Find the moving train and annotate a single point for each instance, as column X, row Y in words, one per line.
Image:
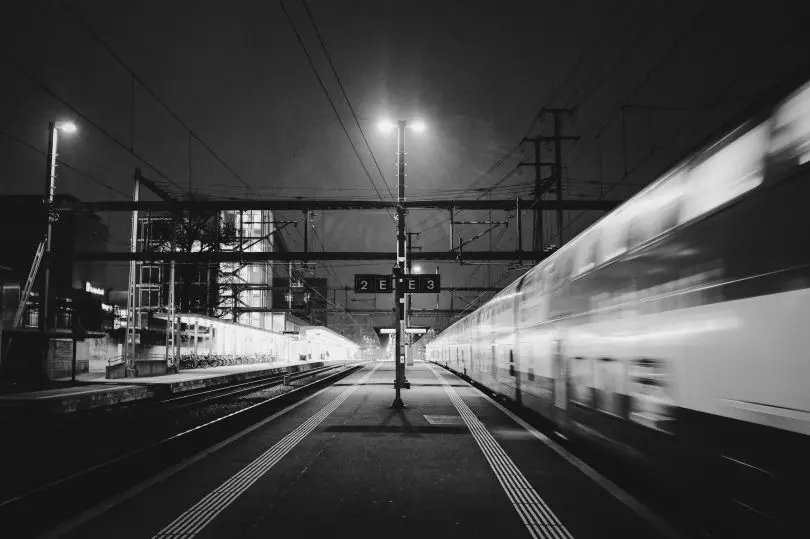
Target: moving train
column 675, row 331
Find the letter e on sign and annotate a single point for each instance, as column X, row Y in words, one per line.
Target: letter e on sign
column 364, row 284
column 430, row 283
column 382, row 283
column 411, row 284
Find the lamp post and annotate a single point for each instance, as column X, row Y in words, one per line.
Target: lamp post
column 399, row 292
column 50, row 186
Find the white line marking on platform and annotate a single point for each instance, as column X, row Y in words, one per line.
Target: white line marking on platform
column 99, row 509
column 657, row 522
column 538, row 517
column 194, row 519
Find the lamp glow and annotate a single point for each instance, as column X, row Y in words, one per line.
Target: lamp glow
column 385, row 126
column 67, row 127
column 418, row 126
column 417, row 269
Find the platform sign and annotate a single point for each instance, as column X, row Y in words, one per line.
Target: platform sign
column 411, row 284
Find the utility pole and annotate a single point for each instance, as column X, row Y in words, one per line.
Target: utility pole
column 558, row 167
column 537, row 233
column 408, row 337
column 50, row 178
column 541, row 186
column 399, row 296
column 132, row 295
column 45, row 308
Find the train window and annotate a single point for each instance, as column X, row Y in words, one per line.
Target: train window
column 533, row 282
column 726, row 174
column 790, row 135
column 613, row 238
column 658, row 209
column 585, row 257
column 565, row 265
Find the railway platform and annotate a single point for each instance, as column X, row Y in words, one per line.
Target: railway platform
column 454, row 463
column 94, row 391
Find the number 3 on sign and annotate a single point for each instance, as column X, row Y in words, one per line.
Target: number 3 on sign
column 429, row 283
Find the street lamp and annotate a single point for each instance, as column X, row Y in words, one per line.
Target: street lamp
column 399, row 298
column 417, row 269
column 50, row 185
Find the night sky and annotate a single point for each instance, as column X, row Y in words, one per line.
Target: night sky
column 477, row 73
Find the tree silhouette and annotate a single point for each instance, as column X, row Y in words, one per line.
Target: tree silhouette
column 199, row 231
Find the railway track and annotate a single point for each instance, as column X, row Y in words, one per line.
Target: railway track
column 25, row 513
column 231, row 390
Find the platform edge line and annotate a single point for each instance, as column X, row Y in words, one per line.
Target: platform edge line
column 73, row 523
column 659, row 523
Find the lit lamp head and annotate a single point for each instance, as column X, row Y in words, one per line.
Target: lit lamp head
column 67, row 127
column 386, row 126
column 417, row 269
column 418, row 126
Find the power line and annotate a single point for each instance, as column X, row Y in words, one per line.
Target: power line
column 674, row 134
column 346, row 97
column 331, row 103
column 622, row 56
column 689, row 28
column 157, row 98
column 64, row 164
column 552, row 96
column 730, row 85
column 90, row 122
column 315, row 290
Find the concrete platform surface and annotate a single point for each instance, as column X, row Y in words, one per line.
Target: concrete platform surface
column 342, row 463
column 95, row 392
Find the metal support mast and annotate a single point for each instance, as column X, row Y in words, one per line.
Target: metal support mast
column 558, row 170
column 540, row 186
column 408, row 298
column 44, row 305
column 399, row 296
column 172, row 326
column 132, row 297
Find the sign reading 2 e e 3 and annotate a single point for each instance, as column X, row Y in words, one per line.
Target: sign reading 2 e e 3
column 411, row 284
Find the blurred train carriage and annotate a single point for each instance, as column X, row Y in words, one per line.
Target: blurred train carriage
column 675, row 329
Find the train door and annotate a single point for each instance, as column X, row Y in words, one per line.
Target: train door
column 514, row 371
column 560, row 375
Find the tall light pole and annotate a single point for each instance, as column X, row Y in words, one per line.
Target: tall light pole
column 50, row 186
column 399, row 292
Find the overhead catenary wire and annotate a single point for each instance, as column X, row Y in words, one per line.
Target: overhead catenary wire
column 64, row 164
column 345, row 96
column 552, row 96
column 332, row 103
column 45, row 88
column 662, row 61
column 151, row 92
column 717, row 99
